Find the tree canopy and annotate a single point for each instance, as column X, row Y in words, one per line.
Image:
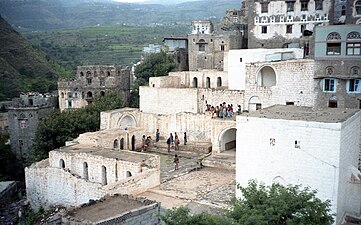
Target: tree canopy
column 58, row 127
column 154, row 65
column 263, row 205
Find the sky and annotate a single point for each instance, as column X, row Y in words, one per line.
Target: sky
column 163, row 1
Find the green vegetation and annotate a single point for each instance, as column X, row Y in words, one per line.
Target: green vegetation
column 101, row 45
column 154, row 65
column 6, row 155
column 33, row 217
column 58, row 127
column 42, row 15
column 260, row 204
column 24, row 68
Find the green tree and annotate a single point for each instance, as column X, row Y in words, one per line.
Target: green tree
column 278, row 204
column 6, row 155
column 154, row 65
column 182, row 216
column 58, row 127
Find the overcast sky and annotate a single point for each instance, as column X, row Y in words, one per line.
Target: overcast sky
column 161, row 1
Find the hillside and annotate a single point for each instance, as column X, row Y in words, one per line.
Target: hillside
column 22, row 67
column 111, row 44
column 35, row 15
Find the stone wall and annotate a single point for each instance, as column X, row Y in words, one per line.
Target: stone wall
column 294, row 84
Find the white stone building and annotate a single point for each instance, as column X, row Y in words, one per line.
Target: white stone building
column 73, row 175
column 300, row 145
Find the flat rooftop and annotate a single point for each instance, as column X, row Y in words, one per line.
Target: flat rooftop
column 122, row 155
column 108, row 208
column 329, row 115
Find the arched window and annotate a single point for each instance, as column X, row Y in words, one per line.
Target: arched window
column 353, row 45
column 358, row 7
column 62, row 164
column 355, row 71
column 116, row 144
column 195, row 82
column 108, row 73
column 219, row 82
column 102, row 93
column 201, row 45
column 266, row 77
column 208, row 82
column 128, row 174
column 343, row 10
column 70, row 95
column 62, row 94
column 85, row 170
column 89, row 94
column 122, row 144
column 88, row 73
column 104, row 175
column 133, row 143
column 333, row 44
column 81, row 74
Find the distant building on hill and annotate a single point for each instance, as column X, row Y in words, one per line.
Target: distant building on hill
column 93, row 81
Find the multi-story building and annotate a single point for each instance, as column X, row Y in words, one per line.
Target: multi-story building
column 338, row 70
column 23, row 118
column 206, row 48
column 277, row 24
column 347, row 12
column 93, row 81
column 178, row 46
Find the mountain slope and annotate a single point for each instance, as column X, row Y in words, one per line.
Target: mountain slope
column 22, row 67
column 58, row 14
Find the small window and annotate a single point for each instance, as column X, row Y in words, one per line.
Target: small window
column 81, row 74
column 62, row 94
column 108, row 73
column 70, row 104
column 62, row 164
column 290, row 103
column 70, row 95
column 264, row 7
column 219, row 82
column 240, row 59
column 102, row 82
column 329, row 85
column 343, row 10
column 333, row 49
column 222, row 48
column 264, row 30
column 290, row 6
column 202, row 47
column 318, row 4
column 353, row 48
column 303, row 28
column 23, row 124
column 272, row 142
column 354, row 86
column 304, row 5
column 289, row 29
column 358, row 7
column 297, row 144
column 89, row 81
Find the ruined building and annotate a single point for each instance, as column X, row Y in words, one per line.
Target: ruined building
column 93, row 81
column 23, row 118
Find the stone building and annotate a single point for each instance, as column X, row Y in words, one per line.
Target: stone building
column 338, row 66
column 278, row 24
column 93, row 81
column 73, row 175
column 300, row 145
column 178, row 46
column 23, row 118
column 206, row 47
column 347, row 12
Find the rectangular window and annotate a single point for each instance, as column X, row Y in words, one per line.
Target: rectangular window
column 222, row 48
column 102, row 83
column 264, row 7
column 70, row 104
column 333, row 49
column 290, row 6
column 23, row 124
column 329, row 85
column 202, row 47
column 354, row 86
column 353, row 48
column 318, row 4
column 89, row 81
column 304, row 6
column 264, row 30
column 289, row 29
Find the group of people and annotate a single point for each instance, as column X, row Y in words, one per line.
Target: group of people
column 223, row 110
column 146, row 142
column 174, row 141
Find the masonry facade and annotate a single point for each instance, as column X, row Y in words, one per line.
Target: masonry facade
column 92, row 82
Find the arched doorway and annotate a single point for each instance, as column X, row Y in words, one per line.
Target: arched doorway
column 266, row 77
column 254, row 103
column 85, row 170
column 121, row 144
column 104, row 175
column 195, row 82
column 133, row 143
column 208, row 82
column 128, row 174
column 62, row 163
column 219, row 82
column 227, row 140
column 116, row 144
column 127, row 121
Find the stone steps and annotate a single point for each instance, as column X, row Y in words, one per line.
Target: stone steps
column 198, row 147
